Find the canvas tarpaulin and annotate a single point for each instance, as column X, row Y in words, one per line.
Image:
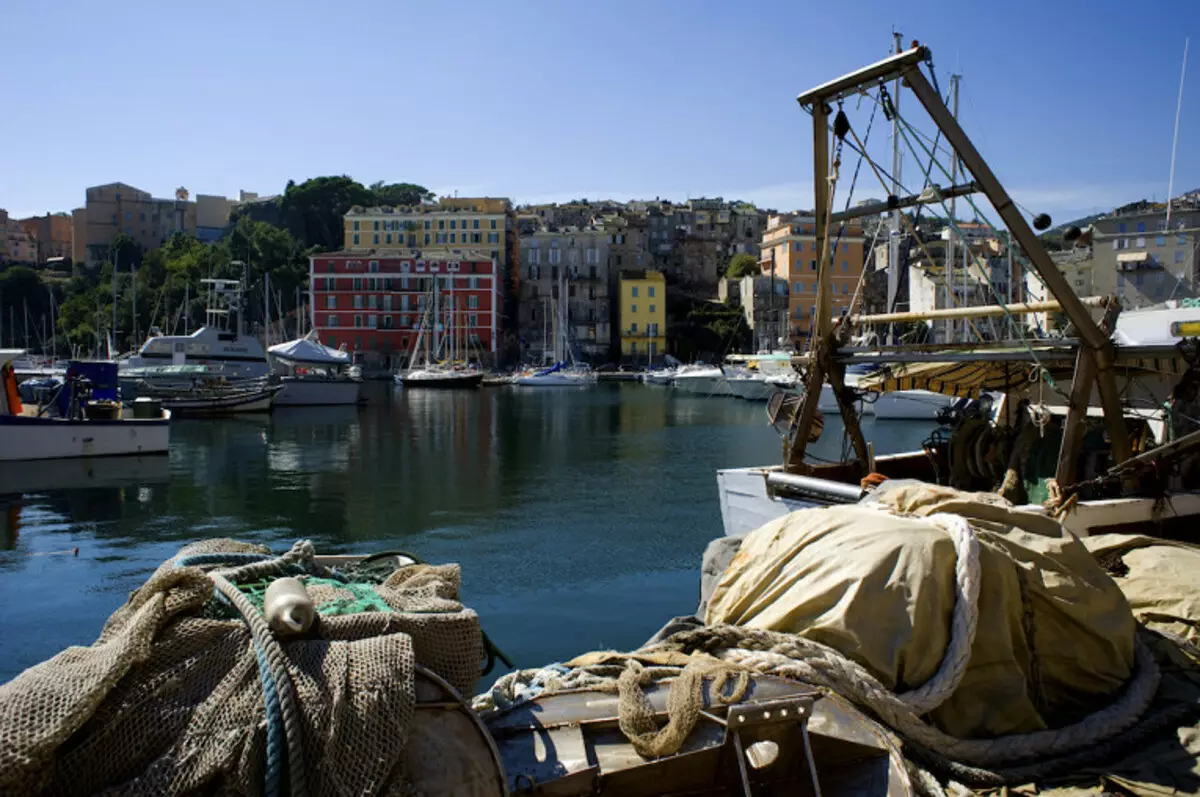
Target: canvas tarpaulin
column 169, row 699
column 1055, row 635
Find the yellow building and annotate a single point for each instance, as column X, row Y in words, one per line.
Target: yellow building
column 643, row 315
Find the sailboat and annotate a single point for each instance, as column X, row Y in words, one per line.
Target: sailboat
column 566, row 370
column 424, row 369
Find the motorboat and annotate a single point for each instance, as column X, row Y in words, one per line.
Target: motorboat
column 256, row 396
column 663, row 377
column 702, row 380
column 751, row 382
column 314, row 374
column 84, row 418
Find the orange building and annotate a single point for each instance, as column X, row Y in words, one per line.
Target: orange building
column 53, row 234
column 789, row 246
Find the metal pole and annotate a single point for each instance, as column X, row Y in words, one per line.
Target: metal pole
column 133, row 298
column 116, row 259
column 950, row 261
column 267, row 309
column 894, row 224
column 1175, row 140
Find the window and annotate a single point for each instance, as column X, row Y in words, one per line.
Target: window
column 635, row 291
column 358, row 321
column 1178, row 256
column 453, row 224
column 1141, row 226
column 650, row 292
column 427, row 237
column 845, row 266
column 1141, row 240
column 1160, row 240
column 333, row 321
column 374, row 225
column 427, row 227
column 798, row 246
column 493, row 238
column 128, row 215
column 358, row 283
column 356, row 226
column 472, row 302
column 555, row 255
column 330, row 302
column 476, row 237
column 388, row 322
column 592, row 258
column 652, row 308
column 812, row 265
column 387, row 238
column 797, row 287
column 373, row 302
column 533, row 256
column 633, row 326
column 633, row 345
column 358, row 302
column 356, row 239
column 845, row 248
column 472, row 320
column 1121, row 227
column 493, row 224
column 441, row 224
column 375, row 238
column 452, row 236
column 387, row 302
column 474, row 224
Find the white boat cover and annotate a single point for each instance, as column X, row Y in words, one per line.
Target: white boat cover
column 309, row 350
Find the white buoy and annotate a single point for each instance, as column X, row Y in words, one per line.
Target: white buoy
column 288, row 607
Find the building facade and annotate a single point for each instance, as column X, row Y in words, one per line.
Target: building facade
column 374, row 303
column 212, row 216
column 575, row 261
column 118, row 208
column 16, row 245
column 1142, row 258
column 764, row 303
column 643, row 316
column 789, row 251
column 52, row 233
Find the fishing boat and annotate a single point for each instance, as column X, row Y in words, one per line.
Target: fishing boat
column 1092, row 428
column 221, row 343
column 84, row 418
column 314, row 374
column 227, row 400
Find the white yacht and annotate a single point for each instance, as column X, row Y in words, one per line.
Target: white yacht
column 314, row 374
column 702, row 380
column 565, row 371
column 752, row 382
column 219, row 343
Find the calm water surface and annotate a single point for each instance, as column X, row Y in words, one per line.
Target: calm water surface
column 578, row 516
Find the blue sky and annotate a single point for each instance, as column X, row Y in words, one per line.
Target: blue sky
column 1072, row 103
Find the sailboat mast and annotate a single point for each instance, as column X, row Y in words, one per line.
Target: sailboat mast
column 187, row 309
column 950, row 259
column 25, row 305
column 267, row 310
column 1175, row 140
column 894, row 223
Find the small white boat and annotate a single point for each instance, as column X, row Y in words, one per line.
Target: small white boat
column 702, row 380
column 661, row 378
column 314, row 374
column 91, row 427
column 752, row 387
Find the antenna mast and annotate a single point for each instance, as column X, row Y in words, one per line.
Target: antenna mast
column 1175, row 140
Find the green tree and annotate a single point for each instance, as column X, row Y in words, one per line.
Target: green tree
column 399, row 193
column 312, row 211
column 741, row 265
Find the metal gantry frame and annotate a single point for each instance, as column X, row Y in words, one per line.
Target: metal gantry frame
column 1096, row 354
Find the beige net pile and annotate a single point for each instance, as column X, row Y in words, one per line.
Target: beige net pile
column 168, row 700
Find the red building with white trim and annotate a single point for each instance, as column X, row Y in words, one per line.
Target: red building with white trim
column 372, row 302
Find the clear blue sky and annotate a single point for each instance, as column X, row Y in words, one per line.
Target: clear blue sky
column 1073, row 103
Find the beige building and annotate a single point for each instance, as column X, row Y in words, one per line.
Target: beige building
column 577, row 259
column 118, row 208
column 16, row 245
column 52, row 233
column 212, row 215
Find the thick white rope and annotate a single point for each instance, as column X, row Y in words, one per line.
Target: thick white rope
column 963, row 624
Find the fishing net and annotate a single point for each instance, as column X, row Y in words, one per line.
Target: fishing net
column 170, row 698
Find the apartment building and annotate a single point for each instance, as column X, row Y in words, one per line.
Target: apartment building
column 118, row 208
column 574, row 260
column 1142, row 258
column 643, row 316
column 16, row 244
column 789, row 249
column 52, row 233
column 764, row 303
column 376, row 303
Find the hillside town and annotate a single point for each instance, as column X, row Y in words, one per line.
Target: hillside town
column 638, row 280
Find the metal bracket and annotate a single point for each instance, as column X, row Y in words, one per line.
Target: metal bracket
column 767, row 712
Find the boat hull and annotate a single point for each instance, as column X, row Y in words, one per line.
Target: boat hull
column 318, row 392
column 751, row 389
column 235, row 403
column 29, row 438
column 554, row 380
column 441, row 381
column 715, row 385
column 751, row 497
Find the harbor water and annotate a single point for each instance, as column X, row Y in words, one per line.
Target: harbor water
column 578, row 515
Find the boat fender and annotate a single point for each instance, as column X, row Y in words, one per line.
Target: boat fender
column 288, row 607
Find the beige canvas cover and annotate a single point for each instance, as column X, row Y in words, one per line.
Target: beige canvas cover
column 877, row 582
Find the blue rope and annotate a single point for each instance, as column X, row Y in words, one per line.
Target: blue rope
column 276, row 741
